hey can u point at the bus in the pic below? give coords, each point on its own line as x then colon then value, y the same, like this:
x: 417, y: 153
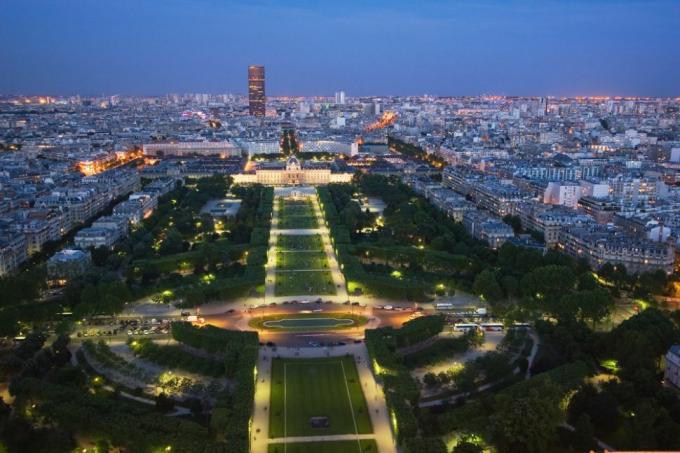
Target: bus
x: 465, y: 327
x: 521, y: 325
x: 492, y: 326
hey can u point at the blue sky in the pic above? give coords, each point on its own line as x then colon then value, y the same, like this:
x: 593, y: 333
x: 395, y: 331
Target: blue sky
x: 455, y: 47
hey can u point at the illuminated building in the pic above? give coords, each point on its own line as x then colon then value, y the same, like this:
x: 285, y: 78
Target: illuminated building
x: 293, y: 173
x: 256, y: 96
x: 602, y: 244
x: 67, y: 264
x: 222, y: 149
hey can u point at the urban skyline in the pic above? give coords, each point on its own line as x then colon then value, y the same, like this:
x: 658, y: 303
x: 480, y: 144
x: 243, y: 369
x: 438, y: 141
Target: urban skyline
x: 245, y: 244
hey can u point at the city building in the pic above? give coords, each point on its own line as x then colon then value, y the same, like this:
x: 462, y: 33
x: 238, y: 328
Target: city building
x: 256, y: 93
x: 95, y: 237
x: 66, y: 265
x: 293, y: 172
x: 222, y: 149
x: 562, y: 193
x: 601, y: 244
x: 486, y: 228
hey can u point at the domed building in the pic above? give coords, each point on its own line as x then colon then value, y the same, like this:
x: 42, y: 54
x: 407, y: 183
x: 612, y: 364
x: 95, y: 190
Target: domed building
x: 293, y: 173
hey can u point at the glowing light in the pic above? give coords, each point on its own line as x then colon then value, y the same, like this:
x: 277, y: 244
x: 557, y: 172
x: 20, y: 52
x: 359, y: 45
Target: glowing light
x: 610, y: 364
x: 387, y: 119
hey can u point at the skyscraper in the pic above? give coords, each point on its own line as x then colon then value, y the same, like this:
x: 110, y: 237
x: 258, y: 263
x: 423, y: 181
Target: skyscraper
x: 340, y: 97
x: 256, y: 98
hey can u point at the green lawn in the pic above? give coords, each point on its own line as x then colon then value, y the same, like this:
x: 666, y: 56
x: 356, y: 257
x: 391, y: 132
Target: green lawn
x: 297, y: 222
x: 298, y: 207
x: 301, y: 260
x: 342, y: 446
x: 305, y: 388
x: 296, y: 214
x: 259, y: 322
x: 299, y: 242
x: 304, y: 209
x: 294, y: 283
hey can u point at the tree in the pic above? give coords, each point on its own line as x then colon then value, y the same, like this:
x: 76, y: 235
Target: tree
x: 164, y: 403
x: 514, y: 221
x: 494, y: 365
x: 424, y: 445
x: 172, y: 243
x: 593, y: 305
x: 583, y: 433
x: 466, y: 379
x: 527, y: 422
x: 430, y: 380
x: 467, y: 447
x: 99, y: 255
x: 601, y: 408
x: 487, y: 286
x: 510, y: 285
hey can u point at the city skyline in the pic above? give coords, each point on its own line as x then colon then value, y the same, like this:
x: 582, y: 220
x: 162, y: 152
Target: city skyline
x: 514, y: 48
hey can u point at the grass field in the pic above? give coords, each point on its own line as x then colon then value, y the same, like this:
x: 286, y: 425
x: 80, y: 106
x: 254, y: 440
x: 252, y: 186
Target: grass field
x: 301, y: 260
x: 304, y: 209
x: 296, y: 214
x: 259, y: 321
x: 305, y: 388
x: 343, y: 446
x: 298, y: 222
x: 299, y: 242
x: 294, y: 283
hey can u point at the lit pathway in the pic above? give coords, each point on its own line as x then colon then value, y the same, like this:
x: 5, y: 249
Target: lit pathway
x: 259, y: 440
x: 336, y: 437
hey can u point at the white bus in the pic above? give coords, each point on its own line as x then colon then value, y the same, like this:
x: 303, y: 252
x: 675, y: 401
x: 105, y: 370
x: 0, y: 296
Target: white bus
x: 521, y: 325
x: 492, y: 326
x: 464, y: 327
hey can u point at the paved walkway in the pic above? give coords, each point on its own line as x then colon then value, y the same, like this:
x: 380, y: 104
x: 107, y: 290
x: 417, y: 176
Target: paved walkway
x: 260, y: 431
x: 336, y: 437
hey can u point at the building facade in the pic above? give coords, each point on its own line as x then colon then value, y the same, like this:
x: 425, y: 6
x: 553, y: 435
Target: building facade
x: 256, y: 95
x: 600, y: 245
x: 293, y: 174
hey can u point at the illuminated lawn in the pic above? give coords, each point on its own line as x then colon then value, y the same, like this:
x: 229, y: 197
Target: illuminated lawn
x: 306, y: 321
x: 306, y: 388
x: 300, y: 283
x: 343, y: 446
x: 296, y: 215
x: 301, y: 260
x: 299, y: 242
x: 303, y: 208
x: 298, y: 222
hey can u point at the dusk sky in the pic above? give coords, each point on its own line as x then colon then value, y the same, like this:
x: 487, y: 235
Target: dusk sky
x: 465, y: 47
